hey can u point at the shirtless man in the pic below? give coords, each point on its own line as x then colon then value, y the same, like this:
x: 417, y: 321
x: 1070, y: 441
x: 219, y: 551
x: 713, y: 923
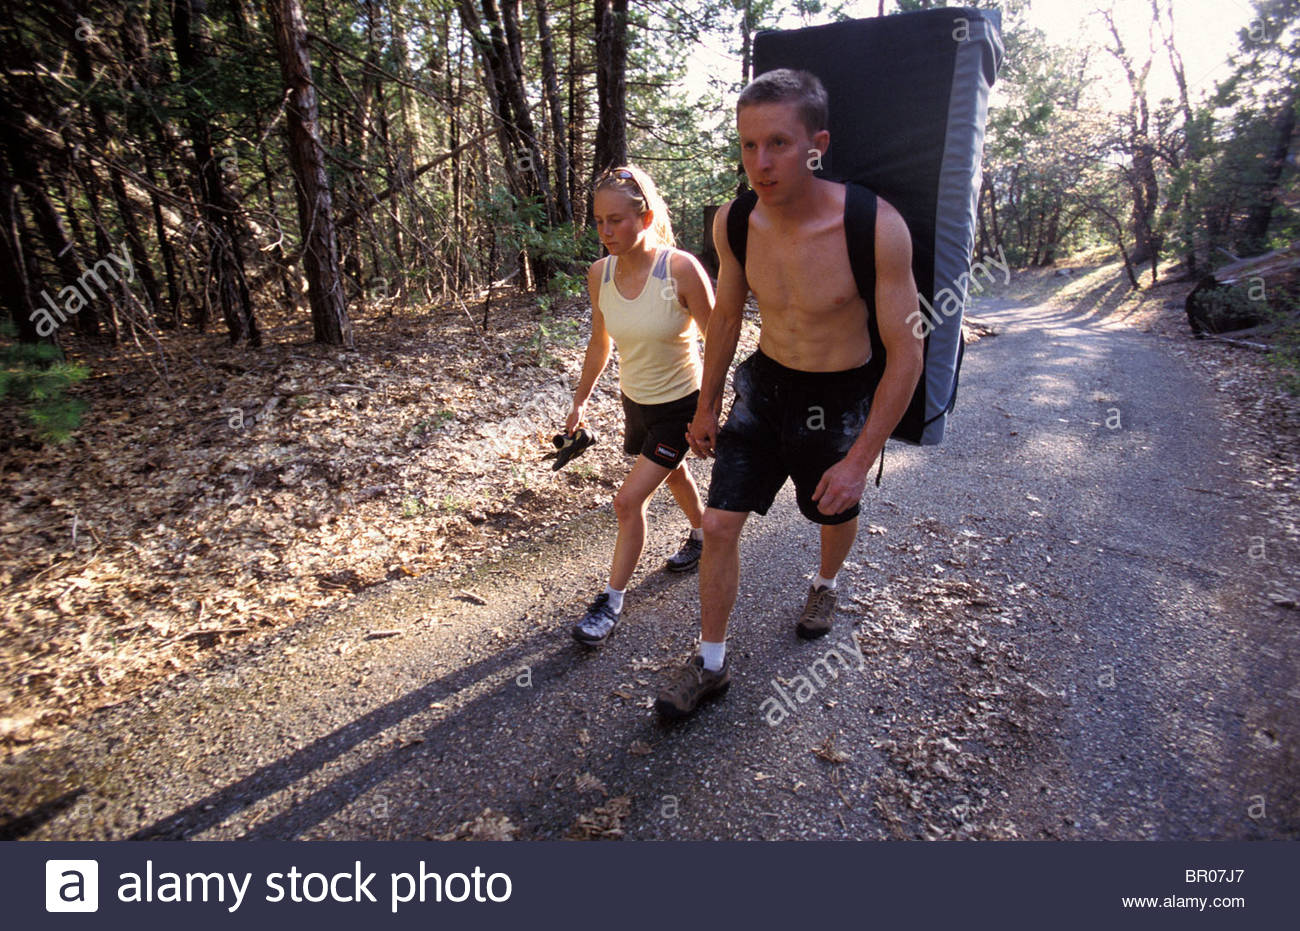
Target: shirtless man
x: 802, y: 408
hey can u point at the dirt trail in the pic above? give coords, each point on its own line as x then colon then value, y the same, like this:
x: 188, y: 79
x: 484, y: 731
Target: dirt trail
x: 1063, y: 635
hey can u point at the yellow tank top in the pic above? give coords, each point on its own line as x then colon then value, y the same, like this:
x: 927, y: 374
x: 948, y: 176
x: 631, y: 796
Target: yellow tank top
x: 656, y: 337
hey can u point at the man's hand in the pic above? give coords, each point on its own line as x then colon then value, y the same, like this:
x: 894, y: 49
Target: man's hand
x: 702, y: 434
x: 841, y: 487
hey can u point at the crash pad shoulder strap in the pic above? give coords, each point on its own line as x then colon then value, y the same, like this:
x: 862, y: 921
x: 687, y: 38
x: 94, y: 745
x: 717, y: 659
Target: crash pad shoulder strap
x: 738, y: 224
x: 860, y: 231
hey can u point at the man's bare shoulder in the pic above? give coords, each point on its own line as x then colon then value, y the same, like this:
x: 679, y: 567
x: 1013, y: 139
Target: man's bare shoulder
x: 721, y: 241
x: 893, y: 240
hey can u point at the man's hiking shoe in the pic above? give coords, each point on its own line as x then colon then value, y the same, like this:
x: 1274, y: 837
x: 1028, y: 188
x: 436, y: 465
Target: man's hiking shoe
x: 597, y: 623
x: 815, y: 621
x: 569, y: 446
x: 689, y: 685
x: 686, y: 558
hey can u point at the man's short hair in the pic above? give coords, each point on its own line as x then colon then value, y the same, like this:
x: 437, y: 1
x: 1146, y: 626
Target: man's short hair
x: 785, y: 85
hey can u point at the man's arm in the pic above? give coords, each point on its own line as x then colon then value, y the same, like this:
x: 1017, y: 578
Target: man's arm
x: 720, y: 340
x: 842, y: 485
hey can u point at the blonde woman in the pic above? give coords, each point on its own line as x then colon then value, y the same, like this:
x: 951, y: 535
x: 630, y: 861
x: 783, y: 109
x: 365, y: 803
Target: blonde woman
x: 652, y: 301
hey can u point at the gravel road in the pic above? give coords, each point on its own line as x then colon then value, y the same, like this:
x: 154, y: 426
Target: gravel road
x: 1063, y: 626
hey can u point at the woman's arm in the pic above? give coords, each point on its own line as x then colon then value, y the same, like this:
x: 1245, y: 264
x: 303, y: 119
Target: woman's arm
x: 598, y: 349
x: 694, y: 292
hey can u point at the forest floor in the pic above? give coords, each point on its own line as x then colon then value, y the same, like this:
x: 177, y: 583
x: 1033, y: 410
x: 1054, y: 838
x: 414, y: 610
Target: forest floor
x: 253, y: 488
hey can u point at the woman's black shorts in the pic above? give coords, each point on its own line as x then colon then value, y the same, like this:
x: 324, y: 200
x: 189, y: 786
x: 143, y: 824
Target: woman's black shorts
x: 658, y: 431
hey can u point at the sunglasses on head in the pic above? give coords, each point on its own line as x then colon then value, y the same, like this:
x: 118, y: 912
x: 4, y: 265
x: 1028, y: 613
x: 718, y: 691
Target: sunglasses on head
x: 624, y: 175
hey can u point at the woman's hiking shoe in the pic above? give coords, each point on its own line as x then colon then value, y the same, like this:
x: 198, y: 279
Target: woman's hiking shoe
x: 689, y: 685
x: 686, y: 558
x: 597, y: 623
x: 815, y: 621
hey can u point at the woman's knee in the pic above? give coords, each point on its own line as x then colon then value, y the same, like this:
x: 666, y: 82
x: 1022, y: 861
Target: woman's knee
x: 628, y: 506
x: 680, y: 477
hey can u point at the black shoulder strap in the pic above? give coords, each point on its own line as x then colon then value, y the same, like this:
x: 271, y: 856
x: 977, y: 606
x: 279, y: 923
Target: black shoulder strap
x: 860, y: 232
x: 738, y: 224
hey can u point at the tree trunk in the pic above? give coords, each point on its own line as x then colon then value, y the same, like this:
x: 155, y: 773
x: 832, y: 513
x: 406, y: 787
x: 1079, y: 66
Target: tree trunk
x: 983, y: 247
x: 746, y: 43
x: 993, y: 216
x: 164, y: 248
x: 534, y: 174
x: 225, y: 250
x: 459, y: 277
x: 611, y: 85
x: 551, y: 86
x: 1255, y: 230
x: 27, y: 175
x: 576, y: 97
x: 103, y: 244
x: 288, y: 286
x: 15, y: 290
x: 320, y: 257
x: 1051, y: 241
x: 85, y: 74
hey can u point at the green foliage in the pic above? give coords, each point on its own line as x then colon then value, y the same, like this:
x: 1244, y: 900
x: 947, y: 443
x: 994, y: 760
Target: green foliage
x: 35, y: 378
x: 1222, y: 309
x: 1286, y: 357
x: 552, y: 334
x: 436, y: 422
x: 1284, y: 306
x: 521, y: 226
x: 413, y: 506
x: 565, y: 284
x: 1045, y: 155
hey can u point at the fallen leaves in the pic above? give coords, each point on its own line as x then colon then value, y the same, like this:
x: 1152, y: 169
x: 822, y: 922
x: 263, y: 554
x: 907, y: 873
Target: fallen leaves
x: 586, y: 782
x: 828, y: 751
x: 603, y: 823
x: 263, y: 486
x: 490, y: 825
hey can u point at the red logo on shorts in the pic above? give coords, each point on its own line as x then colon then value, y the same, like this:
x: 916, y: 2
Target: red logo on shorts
x: 666, y: 452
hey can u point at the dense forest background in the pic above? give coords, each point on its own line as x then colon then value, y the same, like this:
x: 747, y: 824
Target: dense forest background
x: 292, y: 289
x: 192, y: 164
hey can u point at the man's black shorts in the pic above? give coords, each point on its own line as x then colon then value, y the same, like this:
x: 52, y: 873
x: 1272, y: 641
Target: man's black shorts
x: 658, y: 431
x: 786, y: 423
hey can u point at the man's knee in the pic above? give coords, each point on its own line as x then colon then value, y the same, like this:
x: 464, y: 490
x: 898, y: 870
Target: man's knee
x: 722, y: 528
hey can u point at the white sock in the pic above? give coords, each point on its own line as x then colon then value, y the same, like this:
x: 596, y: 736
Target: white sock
x: 819, y: 582
x: 697, y: 533
x: 713, y: 654
x: 615, y: 599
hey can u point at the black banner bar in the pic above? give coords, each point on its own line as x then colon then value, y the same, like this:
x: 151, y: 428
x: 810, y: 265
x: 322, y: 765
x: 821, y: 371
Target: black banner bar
x: 645, y: 885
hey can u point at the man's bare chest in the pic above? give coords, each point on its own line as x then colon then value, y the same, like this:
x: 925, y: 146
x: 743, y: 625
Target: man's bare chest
x: 807, y: 273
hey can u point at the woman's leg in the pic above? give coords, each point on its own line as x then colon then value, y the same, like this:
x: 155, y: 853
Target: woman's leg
x: 630, y: 506
x: 682, y: 484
